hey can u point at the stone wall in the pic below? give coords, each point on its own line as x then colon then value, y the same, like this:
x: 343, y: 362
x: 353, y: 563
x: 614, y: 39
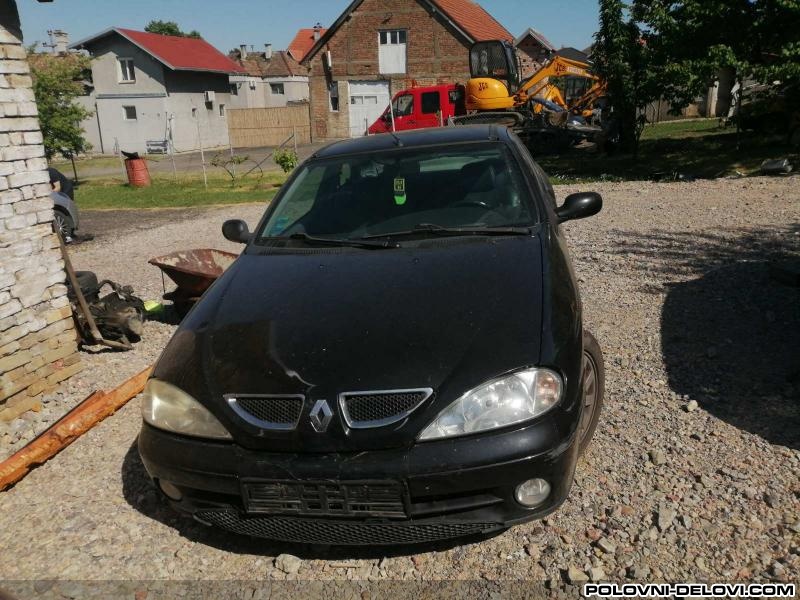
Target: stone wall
x: 38, y: 346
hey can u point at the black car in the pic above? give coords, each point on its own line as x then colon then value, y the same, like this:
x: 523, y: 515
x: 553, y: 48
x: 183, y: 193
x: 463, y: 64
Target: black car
x: 396, y: 357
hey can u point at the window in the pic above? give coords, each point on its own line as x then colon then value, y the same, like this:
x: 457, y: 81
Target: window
x: 355, y: 196
x: 234, y: 89
x: 276, y: 88
x: 392, y: 51
x: 221, y: 110
x: 403, y: 105
x: 430, y: 103
x: 129, y: 113
x: 127, y: 74
x: 333, y: 93
x: 363, y: 99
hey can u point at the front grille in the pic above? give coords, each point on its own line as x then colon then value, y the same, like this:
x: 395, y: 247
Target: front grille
x: 268, y: 412
x: 340, y: 533
x: 378, y: 409
x: 351, y: 499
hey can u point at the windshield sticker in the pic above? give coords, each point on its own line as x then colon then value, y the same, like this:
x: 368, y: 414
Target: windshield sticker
x: 280, y: 225
x: 399, y: 191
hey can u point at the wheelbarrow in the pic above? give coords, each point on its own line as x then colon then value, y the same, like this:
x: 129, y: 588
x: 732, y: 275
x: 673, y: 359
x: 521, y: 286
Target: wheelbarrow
x: 193, y: 271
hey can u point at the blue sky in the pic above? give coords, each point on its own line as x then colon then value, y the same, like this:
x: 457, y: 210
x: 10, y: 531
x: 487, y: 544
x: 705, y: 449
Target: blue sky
x: 228, y: 23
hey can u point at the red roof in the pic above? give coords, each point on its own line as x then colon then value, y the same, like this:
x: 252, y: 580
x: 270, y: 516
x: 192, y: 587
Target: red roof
x: 303, y: 42
x: 474, y: 19
x: 177, y: 53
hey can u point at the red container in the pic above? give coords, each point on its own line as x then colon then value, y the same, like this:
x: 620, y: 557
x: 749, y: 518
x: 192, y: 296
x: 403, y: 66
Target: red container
x: 138, y: 175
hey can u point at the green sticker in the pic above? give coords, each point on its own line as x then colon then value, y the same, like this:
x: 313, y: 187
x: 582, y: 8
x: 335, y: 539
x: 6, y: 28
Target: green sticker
x: 399, y: 191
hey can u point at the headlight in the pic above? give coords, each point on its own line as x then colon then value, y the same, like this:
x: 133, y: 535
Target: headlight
x: 499, y: 403
x: 168, y: 407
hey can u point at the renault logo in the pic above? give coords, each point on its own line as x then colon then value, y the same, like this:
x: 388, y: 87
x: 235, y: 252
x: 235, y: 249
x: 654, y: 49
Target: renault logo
x: 321, y: 416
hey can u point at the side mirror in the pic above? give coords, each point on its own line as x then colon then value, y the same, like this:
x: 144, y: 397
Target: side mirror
x: 579, y: 206
x: 236, y: 230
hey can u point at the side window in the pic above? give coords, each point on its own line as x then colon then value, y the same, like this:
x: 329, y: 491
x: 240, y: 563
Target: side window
x: 404, y: 105
x: 430, y: 102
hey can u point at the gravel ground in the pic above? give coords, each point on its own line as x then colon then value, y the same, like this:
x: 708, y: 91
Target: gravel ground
x: 694, y: 474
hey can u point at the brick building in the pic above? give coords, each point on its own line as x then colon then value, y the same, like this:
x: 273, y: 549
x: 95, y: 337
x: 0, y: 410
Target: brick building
x: 379, y: 47
x: 534, y: 50
x: 38, y: 347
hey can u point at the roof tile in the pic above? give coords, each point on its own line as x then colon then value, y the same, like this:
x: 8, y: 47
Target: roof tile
x: 189, y: 54
x: 474, y: 19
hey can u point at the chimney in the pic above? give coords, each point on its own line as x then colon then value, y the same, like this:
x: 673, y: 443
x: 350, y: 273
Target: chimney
x: 268, y: 51
x: 317, y: 30
x: 59, y: 41
x: 243, y: 51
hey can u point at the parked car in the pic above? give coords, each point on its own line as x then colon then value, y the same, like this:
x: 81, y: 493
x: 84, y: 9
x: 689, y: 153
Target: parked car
x: 421, y: 107
x: 397, y: 355
x: 66, y: 218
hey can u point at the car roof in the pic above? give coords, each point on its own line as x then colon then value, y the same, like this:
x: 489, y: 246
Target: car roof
x: 435, y: 136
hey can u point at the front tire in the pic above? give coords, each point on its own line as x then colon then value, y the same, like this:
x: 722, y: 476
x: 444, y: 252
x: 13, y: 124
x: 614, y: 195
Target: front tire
x: 63, y: 224
x: 593, y: 377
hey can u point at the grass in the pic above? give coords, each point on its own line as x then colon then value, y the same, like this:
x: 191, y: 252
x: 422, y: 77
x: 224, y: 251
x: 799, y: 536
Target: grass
x: 186, y: 191
x: 685, y: 149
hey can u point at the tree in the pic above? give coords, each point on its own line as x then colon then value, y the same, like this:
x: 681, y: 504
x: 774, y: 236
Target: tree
x: 691, y: 40
x: 57, y: 82
x: 170, y: 28
x: 622, y: 57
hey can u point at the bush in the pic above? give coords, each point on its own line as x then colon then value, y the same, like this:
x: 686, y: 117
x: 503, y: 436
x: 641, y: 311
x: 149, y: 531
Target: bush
x: 286, y: 159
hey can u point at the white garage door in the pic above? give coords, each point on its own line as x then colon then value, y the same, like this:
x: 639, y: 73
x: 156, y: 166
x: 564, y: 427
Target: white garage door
x: 368, y: 100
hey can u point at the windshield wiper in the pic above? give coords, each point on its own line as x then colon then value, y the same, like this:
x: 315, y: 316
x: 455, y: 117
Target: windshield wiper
x: 304, y: 237
x: 435, y: 229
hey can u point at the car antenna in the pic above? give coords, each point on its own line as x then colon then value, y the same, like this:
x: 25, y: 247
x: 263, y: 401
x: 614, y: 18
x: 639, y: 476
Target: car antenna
x: 397, y: 141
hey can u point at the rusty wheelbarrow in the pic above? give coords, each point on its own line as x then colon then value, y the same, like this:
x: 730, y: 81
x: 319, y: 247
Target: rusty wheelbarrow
x: 193, y: 271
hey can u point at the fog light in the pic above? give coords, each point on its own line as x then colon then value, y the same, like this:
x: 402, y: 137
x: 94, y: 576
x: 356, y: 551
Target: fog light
x: 533, y: 492
x: 170, y: 490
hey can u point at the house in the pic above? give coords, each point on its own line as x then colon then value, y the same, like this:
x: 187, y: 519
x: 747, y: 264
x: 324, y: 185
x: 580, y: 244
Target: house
x: 379, y: 47
x: 270, y: 79
x: 533, y: 50
x: 304, y: 41
x: 150, y: 88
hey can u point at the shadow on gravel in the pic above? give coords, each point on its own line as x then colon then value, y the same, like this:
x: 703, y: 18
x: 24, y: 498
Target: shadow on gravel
x: 140, y: 494
x: 730, y: 335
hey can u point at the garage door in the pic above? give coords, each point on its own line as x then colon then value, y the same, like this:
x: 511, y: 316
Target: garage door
x: 368, y: 100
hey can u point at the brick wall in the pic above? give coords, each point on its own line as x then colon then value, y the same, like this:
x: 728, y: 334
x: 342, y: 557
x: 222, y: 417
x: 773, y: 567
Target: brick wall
x: 37, y: 338
x: 436, y: 54
x: 532, y: 55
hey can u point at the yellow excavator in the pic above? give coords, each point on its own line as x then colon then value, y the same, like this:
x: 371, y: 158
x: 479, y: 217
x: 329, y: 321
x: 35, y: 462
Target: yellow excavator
x: 533, y: 106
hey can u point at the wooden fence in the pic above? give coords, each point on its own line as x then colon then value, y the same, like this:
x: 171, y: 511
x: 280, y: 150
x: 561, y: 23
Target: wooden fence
x: 256, y: 127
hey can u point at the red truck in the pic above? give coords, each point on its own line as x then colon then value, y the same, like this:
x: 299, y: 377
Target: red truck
x: 420, y: 107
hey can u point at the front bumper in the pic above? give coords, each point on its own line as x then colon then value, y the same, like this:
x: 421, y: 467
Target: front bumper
x: 449, y: 488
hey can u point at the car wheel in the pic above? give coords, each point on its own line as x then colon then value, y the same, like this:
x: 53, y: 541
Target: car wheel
x: 593, y: 378
x: 63, y: 223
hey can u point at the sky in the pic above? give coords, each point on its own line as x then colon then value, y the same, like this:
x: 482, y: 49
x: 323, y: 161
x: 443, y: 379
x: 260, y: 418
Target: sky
x: 228, y: 23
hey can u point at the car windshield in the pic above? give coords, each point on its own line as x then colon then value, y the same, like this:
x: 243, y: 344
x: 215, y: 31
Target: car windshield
x: 470, y: 187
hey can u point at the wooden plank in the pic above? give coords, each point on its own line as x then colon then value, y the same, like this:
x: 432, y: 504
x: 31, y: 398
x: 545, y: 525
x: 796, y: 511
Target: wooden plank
x: 91, y: 411
x: 255, y: 127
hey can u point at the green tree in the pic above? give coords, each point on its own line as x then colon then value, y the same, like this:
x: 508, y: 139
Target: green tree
x: 691, y: 40
x: 622, y: 58
x: 170, y: 28
x: 57, y: 82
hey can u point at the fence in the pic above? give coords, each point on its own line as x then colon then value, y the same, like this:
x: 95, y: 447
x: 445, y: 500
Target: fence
x: 256, y: 127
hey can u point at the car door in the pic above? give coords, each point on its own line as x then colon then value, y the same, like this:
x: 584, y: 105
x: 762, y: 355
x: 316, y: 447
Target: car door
x: 430, y: 105
x: 404, y: 107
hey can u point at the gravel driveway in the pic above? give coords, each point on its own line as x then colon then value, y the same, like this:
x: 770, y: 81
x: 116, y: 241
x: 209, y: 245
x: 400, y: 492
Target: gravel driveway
x: 694, y: 474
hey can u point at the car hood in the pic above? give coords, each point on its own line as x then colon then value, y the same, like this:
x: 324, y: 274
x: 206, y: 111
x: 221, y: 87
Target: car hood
x: 445, y: 315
